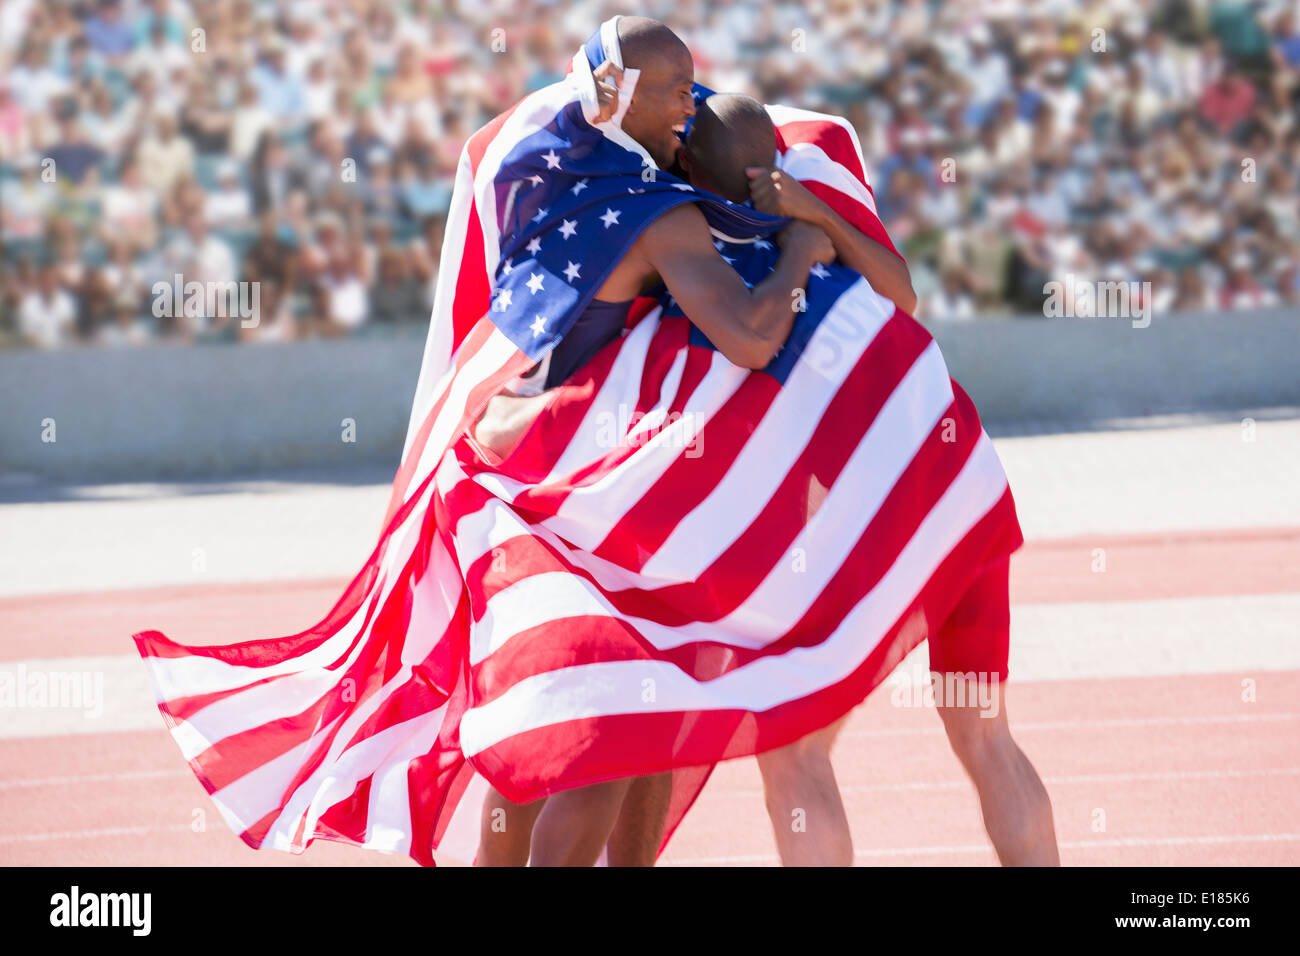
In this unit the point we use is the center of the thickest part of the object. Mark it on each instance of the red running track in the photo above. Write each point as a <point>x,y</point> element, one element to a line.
<point>1169,770</point>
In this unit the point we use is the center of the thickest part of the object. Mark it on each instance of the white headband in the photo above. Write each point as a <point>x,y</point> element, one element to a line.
<point>609,41</point>
<point>612,128</point>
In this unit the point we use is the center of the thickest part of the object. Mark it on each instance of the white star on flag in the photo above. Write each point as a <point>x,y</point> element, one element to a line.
<point>762,244</point>
<point>508,266</point>
<point>819,270</point>
<point>552,161</point>
<point>541,214</point>
<point>538,326</point>
<point>718,244</point>
<point>535,179</point>
<point>610,218</point>
<point>504,297</point>
<point>534,245</point>
<point>571,272</point>
<point>568,228</point>
<point>581,185</point>
<point>534,282</point>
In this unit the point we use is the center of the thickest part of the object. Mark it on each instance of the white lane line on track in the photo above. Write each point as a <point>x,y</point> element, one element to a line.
<point>1161,637</point>
<point>245,536</point>
<point>6,838</point>
<point>1157,638</point>
<point>32,782</point>
<point>128,705</point>
<point>1122,842</point>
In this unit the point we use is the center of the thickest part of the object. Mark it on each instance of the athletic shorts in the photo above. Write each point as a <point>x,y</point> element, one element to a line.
<point>977,634</point>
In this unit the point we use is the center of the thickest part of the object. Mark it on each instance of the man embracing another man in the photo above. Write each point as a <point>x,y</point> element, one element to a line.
<point>557,636</point>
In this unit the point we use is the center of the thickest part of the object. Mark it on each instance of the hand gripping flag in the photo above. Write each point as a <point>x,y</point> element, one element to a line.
<point>680,562</point>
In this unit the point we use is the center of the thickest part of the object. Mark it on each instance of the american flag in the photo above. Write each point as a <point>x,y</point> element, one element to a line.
<point>682,561</point>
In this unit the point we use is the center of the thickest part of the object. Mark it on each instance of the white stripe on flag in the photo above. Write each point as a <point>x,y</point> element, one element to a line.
<point>615,687</point>
<point>891,442</point>
<point>807,161</point>
<point>778,439</point>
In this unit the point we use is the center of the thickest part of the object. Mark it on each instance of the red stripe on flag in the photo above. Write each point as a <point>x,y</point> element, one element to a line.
<point>481,140</point>
<point>347,820</point>
<point>857,214</point>
<point>833,138</point>
<point>473,284</point>
<point>576,753</point>
<point>688,481</point>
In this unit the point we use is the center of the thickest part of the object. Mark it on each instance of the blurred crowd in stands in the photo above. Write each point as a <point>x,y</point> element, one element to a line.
<point>309,146</point>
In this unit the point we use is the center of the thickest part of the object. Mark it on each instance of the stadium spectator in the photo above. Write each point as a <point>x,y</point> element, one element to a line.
<point>1169,153</point>
<point>108,33</point>
<point>273,317</point>
<point>270,172</point>
<point>950,301</point>
<point>273,256</point>
<point>1227,102</point>
<point>14,133</point>
<point>35,83</point>
<point>228,205</point>
<point>336,265</point>
<point>124,327</point>
<point>159,54</point>
<point>280,93</point>
<point>158,13</point>
<point>47,312</point>
<point>164,155</point>
<point>397,296</point>
<point>75,158</point>
<point>198,256</point>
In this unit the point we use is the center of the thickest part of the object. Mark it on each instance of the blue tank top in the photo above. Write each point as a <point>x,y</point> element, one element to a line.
<point>599,324</point>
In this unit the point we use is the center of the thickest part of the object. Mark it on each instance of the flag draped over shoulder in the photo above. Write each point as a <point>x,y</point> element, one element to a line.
<point>681,561</point>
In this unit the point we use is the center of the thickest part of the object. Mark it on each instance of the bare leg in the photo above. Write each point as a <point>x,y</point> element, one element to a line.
<point>803,802</point>
<point>1017,811</point>
<point>506,830</point>
<point>575,825</point>
<point>640,828</point>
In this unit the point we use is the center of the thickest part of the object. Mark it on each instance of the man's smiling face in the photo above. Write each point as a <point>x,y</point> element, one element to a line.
<point>661,105</point>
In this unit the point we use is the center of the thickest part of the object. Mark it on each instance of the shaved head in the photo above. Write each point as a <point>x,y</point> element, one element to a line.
<point>662,100</point>
<point>730,131</point>
<point>647,42</point>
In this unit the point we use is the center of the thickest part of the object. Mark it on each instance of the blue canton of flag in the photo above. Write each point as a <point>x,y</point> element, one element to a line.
<point>571,203</point>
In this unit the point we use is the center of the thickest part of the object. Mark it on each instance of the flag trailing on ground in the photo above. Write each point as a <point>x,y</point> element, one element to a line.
<point>681,561</point>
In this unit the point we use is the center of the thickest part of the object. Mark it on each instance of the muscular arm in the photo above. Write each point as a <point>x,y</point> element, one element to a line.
<point>887,273</point>
<point>780,194</point>
<point>748,326</point>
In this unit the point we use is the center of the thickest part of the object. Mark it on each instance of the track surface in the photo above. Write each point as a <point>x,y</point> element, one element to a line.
<point>1155,664</point>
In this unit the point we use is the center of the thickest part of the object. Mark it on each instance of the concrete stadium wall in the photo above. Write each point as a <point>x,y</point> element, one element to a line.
<point>163,410</point>
<point>1087,370</point>
<point>159,410</point>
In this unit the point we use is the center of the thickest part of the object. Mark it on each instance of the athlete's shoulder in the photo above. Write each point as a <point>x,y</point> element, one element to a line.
<point>682,223</point>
